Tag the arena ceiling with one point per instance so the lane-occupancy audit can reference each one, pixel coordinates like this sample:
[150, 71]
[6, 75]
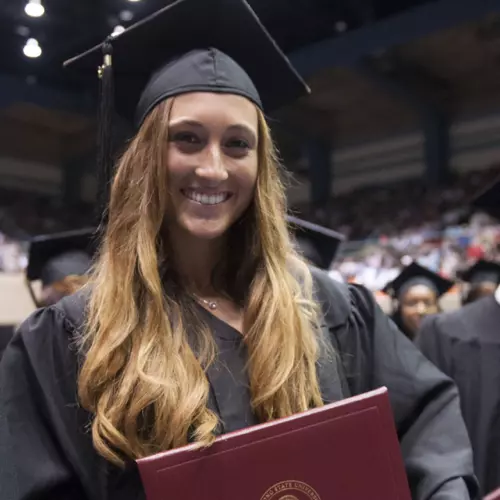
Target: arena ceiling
[70, 27]
[374, 66]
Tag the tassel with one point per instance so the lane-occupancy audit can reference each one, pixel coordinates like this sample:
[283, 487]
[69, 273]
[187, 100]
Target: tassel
[105, 134]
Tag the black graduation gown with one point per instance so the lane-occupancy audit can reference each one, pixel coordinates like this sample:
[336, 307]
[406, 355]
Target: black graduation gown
[46, 450]
[6, 333]
[465, 344]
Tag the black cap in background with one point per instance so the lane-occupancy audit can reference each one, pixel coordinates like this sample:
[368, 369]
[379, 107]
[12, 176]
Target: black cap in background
[54, 257]
[483, 271]
[317, 244]
[415, 274]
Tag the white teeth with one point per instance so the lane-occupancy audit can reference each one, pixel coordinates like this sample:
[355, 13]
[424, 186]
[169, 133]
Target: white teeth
[206, 199]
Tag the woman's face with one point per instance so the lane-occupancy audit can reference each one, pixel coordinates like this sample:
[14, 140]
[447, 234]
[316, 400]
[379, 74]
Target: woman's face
[418, 302]
[212, 162]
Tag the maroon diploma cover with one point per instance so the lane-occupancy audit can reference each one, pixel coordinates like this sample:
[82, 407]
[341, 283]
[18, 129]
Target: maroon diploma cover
[343, 451]
[495, 495]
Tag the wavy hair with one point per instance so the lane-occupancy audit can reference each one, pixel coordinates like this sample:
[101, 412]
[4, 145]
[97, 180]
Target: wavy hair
[142, 380]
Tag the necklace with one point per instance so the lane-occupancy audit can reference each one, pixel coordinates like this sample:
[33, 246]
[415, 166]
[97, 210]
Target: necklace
[211, 304]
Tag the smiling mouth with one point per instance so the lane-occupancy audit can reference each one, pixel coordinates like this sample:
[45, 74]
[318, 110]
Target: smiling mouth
[206, 199]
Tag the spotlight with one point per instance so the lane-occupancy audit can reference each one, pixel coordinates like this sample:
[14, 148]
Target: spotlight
[34, 8]
[118, 30]
[32, 49]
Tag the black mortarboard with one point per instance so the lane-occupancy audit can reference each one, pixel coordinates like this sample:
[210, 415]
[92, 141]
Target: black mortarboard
[56, 256]
[488, 200]
[317, 244]
[415, 274]
[197, 45]
[482, 271]
[188, 46]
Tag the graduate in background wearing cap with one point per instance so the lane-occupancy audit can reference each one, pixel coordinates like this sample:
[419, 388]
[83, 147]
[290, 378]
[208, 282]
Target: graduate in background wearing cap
[416, 292]
[465, 344]
[483, 279]
[197, 264]
[318, 245]
[61, 262]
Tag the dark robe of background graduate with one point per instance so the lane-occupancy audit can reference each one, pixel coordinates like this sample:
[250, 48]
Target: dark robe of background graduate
[465, 344]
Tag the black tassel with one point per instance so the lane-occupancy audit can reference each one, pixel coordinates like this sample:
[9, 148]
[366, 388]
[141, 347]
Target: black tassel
[105, 134]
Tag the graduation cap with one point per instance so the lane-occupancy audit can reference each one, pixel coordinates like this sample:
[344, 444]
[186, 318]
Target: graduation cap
[54, 257]
[482, 271]
[317, 244]
[189, 46]
[488, 200]
[415, 274]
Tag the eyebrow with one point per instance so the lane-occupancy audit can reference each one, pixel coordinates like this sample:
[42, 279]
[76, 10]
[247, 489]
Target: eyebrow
[194, 123]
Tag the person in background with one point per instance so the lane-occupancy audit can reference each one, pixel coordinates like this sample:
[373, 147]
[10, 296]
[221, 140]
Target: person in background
[61, 262]
[483, 279]
[465, 344]
[200, 317]
[416, 292]
[318, 245]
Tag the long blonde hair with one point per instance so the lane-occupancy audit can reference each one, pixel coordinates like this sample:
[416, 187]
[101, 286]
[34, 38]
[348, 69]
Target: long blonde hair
[141, 378]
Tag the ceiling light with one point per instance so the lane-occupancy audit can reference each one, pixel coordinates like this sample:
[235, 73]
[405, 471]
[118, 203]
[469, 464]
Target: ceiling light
[134, 1]
[34, 8]
[32, 49]
[118, 30]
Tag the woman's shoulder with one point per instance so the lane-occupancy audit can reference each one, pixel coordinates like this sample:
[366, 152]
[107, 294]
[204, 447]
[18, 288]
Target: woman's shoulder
[341, 301]
[73, 308]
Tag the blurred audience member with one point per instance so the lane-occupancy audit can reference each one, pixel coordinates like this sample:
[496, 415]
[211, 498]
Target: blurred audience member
[61, 262]
[483, 279]
[416, 292]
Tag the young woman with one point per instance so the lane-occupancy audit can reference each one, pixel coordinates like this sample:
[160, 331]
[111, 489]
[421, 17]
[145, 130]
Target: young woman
[200, 318]
[416, 292]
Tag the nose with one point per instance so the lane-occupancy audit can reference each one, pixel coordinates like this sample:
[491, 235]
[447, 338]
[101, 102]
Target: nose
[421, 309]
[212, 167]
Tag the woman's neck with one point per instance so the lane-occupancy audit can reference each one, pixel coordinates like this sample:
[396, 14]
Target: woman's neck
[194, 260]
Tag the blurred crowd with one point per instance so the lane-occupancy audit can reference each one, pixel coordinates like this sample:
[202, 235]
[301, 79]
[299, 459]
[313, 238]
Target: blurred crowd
[404, 207]
[389, 226]
[24, 215]
[447, 252]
